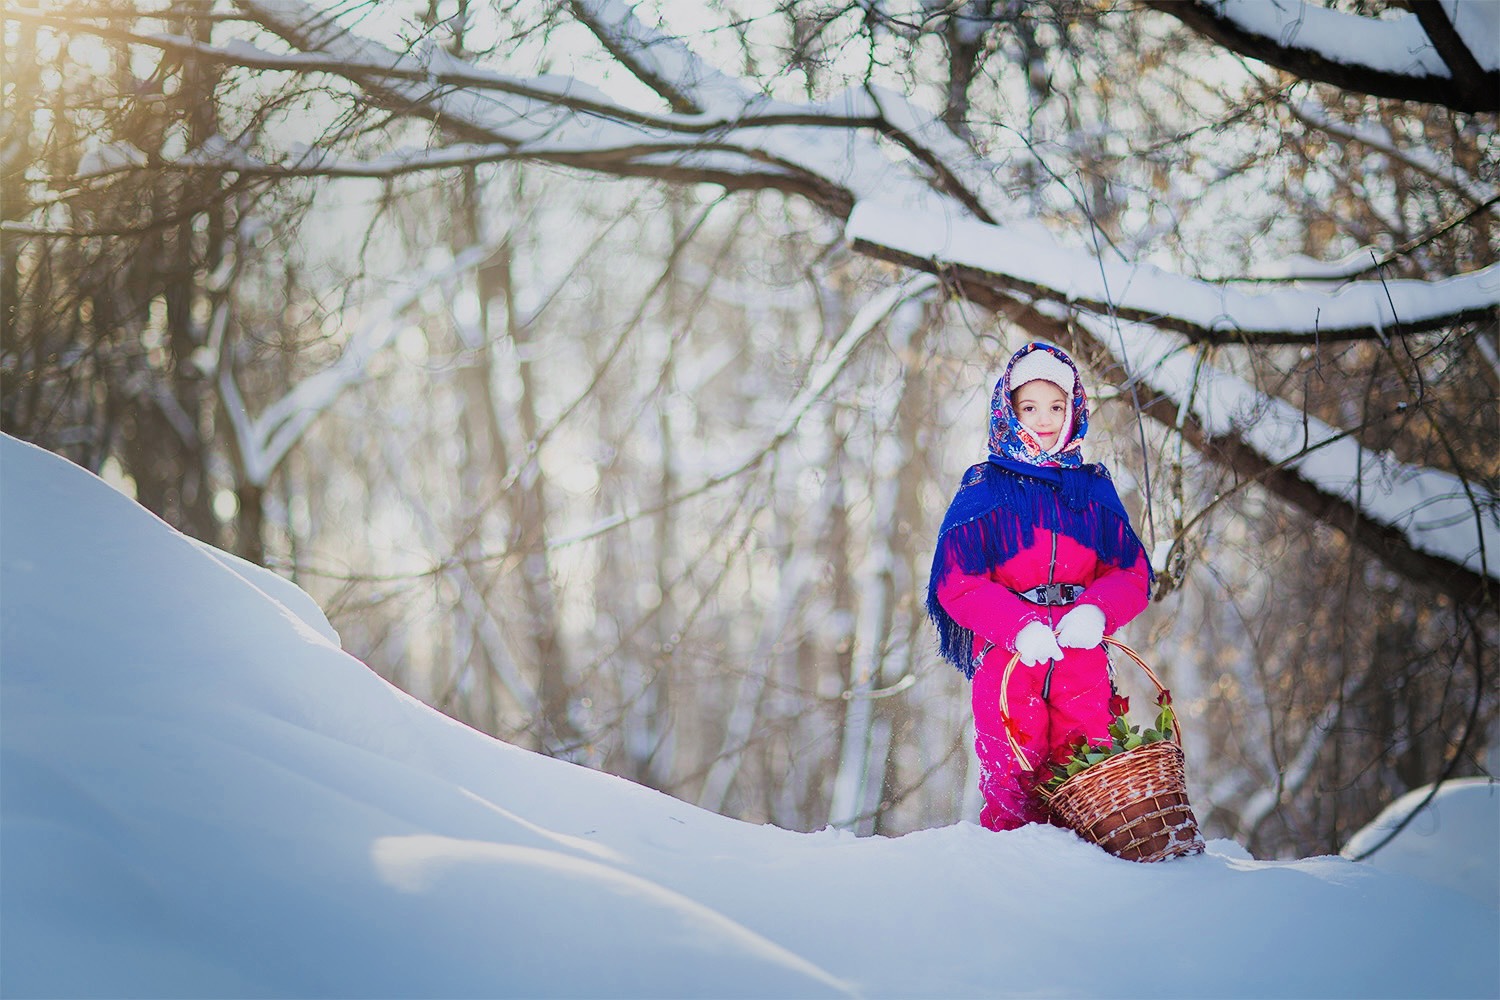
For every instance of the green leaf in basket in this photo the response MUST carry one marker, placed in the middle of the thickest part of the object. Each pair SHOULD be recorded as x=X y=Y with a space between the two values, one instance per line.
x=1090 y=759
x=1134 y=741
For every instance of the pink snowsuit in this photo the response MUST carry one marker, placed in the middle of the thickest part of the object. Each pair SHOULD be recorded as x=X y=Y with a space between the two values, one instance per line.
x=1077 y=699
x=1023 y=519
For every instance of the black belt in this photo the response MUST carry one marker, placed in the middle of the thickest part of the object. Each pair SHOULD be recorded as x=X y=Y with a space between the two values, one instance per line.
x=1049 y=594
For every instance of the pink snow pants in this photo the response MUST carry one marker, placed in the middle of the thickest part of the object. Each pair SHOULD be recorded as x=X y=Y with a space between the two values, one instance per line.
x=1077 y=701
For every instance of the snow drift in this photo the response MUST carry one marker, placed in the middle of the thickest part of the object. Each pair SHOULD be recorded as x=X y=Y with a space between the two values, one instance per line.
x=203 y=795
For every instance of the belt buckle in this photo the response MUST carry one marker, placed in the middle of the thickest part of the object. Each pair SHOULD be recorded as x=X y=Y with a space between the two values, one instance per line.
x=1052 y=594
x=1057 y=593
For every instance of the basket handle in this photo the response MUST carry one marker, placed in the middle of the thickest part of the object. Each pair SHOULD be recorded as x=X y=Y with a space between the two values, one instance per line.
x=1016 y=658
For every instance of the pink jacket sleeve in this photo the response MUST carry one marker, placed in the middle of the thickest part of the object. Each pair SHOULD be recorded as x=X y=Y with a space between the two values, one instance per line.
x=1120 y=593
x=988 y=609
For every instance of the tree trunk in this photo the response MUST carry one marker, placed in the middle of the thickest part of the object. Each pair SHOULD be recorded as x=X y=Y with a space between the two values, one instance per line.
x=868 y=721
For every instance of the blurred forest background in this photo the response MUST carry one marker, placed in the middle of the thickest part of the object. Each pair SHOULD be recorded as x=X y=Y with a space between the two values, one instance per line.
x=526 y=335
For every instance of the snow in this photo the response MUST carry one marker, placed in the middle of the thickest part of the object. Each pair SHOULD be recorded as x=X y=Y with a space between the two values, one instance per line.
x=1478 y=24
x=101 y=158
x=1028 y=260
x=1394 y=45
x=276 y=588
x=203 y=795
x=1451 y=841
x=665 y=58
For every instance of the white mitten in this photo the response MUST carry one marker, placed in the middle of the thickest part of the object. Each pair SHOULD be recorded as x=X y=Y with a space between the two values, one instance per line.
x=1081 y=628
x=1036 y=643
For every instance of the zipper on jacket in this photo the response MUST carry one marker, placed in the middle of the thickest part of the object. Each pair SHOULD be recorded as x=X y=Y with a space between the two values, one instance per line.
x=1051 y=574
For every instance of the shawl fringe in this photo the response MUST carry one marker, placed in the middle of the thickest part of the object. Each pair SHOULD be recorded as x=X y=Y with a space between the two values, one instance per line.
x=995 y=515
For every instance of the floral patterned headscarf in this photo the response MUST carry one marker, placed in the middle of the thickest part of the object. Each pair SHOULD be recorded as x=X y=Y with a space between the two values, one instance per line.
x=1009 y=438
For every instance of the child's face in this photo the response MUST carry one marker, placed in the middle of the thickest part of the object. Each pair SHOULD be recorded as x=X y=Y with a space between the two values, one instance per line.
x=1042 y=409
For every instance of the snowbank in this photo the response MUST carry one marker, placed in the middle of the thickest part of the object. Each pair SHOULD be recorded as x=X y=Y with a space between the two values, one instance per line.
x=1453 y=841
x=203 y=795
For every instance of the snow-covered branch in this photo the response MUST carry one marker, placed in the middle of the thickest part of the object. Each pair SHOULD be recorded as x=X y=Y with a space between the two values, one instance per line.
x=1429 y=523
x=265 y=440
x=1029 y=263
x=662 y=62
x=941 y=220
x=825 y=150
x=1386 y=57
x=439 y=71
x=1445 y=172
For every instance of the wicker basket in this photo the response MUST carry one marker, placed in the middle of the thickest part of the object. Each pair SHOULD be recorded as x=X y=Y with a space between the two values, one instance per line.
x=1134 y=804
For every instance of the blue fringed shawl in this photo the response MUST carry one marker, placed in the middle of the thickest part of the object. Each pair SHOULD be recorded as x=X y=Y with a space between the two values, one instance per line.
x=995 y=514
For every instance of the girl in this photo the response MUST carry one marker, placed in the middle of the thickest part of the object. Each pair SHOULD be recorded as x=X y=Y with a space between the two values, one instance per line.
x=1036 y=556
